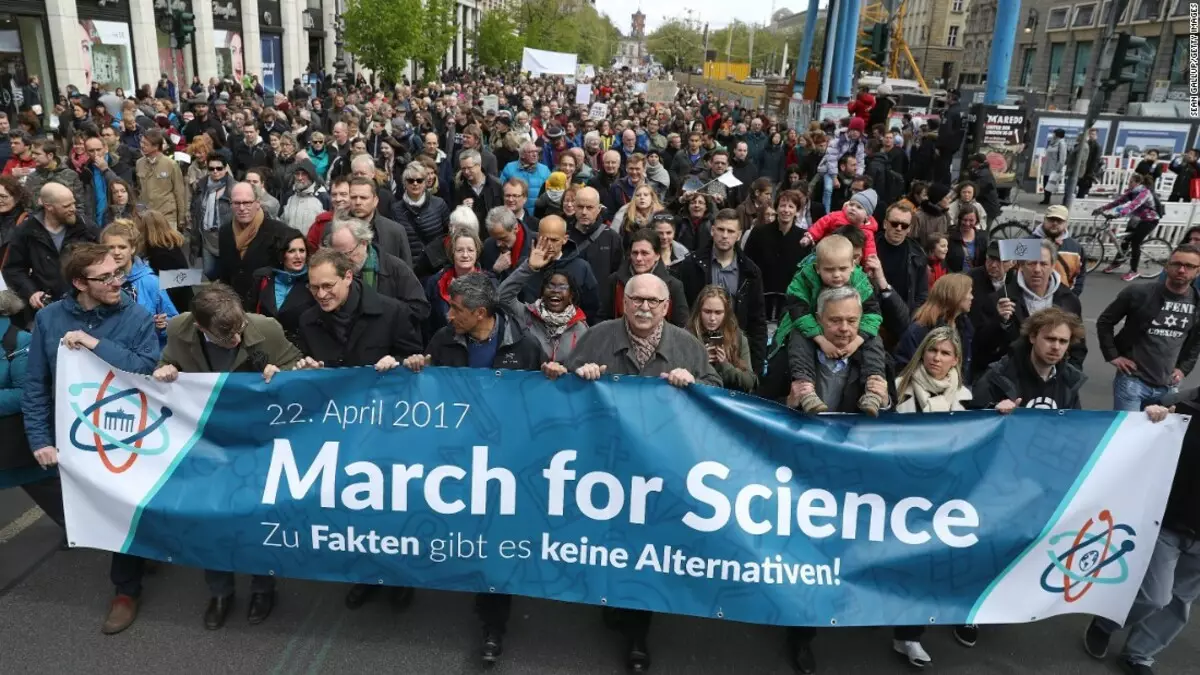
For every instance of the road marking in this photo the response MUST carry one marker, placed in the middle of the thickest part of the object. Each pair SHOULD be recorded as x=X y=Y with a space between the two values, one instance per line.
x=16 y=527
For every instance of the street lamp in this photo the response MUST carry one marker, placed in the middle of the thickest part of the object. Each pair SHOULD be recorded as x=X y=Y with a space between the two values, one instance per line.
x=339 y=58
x=1031 y=21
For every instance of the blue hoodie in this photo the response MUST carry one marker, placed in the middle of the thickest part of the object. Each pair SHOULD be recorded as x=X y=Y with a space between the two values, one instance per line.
x=141 y=284
x=127 y=341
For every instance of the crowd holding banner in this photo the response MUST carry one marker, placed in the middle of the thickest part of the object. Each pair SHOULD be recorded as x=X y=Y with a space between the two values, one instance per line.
x=831 y=269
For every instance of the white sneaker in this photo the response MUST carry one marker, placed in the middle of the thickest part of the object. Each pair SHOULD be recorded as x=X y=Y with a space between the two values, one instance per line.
x=913 y=651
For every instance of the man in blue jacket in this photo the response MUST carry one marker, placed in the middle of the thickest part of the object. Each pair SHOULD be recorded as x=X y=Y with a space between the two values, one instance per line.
x=101 y=318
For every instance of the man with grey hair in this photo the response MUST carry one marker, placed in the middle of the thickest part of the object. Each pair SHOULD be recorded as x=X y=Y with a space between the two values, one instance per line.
x=480 y=333
x=508 y=244
x=639 y=343
x=388 y=275
x=474 y=188
x=530 y=170
x=839 y=382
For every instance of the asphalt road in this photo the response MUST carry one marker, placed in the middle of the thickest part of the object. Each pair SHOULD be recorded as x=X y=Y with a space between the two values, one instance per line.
x=52 y=603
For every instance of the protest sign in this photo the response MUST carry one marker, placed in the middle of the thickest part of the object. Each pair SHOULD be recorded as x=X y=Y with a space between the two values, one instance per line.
x=598 y=111
x=661 y=91
x=583 y=93
x=626 y=492
x=1020 y=249
x=177 y=278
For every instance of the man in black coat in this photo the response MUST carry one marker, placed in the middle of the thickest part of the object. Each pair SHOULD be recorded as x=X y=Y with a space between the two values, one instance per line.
x=481 y=335
x=696 y=272
x=33 y=264
x=251 y=241
x=475 y=188
x=353 y=325
x=384 y=272
x=203 y=122
x=1037 y=371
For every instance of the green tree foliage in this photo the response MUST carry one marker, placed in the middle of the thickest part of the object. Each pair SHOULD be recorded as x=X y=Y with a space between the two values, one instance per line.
x=768 y=45
x=676 y=45
x=383 y=34
x=438 y=30
x=497 y=43
x=568 y=26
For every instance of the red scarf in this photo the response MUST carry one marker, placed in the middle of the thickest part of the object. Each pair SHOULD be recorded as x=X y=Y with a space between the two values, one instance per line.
x=936 y=271
x=518 y=244
x=443 y=283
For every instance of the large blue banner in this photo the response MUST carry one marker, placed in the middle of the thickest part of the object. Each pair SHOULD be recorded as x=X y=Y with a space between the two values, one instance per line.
x=628 y=493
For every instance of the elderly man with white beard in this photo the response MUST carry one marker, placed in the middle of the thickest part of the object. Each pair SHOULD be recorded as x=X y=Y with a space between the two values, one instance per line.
x=639 y=343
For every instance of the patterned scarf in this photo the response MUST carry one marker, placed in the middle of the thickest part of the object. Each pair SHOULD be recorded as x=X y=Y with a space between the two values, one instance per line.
x=642 y=349
x=556 y=322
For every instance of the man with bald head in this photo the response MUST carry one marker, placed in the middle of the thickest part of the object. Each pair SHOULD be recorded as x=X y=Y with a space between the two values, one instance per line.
x=598 y=244
x=606 y=182
x=530 y=170
x=33 y=266
x=639 y=343
x=251 y=241
x=562 y=257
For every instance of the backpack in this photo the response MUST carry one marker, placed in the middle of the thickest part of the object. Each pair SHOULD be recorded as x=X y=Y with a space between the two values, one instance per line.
x=1159 y=207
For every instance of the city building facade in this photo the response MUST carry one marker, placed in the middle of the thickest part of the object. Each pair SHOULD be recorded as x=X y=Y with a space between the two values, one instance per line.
x=125 y=44
x=1056 y=42
x=977 y=42
x=935 y=31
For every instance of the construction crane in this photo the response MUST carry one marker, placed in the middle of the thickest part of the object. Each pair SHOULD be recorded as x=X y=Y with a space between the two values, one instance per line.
x=897 y=47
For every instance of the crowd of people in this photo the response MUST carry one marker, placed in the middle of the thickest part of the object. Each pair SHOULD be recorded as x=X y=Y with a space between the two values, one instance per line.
x=842 y=269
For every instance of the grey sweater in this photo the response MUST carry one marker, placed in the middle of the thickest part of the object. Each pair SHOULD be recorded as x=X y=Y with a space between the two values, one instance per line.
x=607 y=344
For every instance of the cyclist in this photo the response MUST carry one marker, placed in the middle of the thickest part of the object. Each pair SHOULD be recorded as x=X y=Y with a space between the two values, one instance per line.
x=1142 y=206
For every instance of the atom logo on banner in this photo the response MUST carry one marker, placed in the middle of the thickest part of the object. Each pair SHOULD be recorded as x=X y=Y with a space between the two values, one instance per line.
x=1082 y=563
x=106 y=415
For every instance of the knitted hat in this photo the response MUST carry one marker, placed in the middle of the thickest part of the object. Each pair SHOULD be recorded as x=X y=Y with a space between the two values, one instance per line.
x=557 y=181
x=857 y=124
x=937 y=192
x=866 y=199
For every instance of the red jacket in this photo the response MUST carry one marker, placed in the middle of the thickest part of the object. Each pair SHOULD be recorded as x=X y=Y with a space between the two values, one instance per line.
x=827 y=224
x=18 y=163
x=861 y=107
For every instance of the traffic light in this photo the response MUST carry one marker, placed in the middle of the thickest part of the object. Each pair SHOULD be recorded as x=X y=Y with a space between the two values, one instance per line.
x=1129 y=62
x=186 y=28
x=872 y=44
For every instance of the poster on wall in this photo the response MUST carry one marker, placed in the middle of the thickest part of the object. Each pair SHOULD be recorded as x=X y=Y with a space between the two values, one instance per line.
x=1072 y=125
x=997 y=131
x=230 y=61
x=1135 y=138
x=171 y=62
x=272 y=64
x=107 y=55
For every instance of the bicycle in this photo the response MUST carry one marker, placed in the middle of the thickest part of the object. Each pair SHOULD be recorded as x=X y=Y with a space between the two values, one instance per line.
x=1097 y=245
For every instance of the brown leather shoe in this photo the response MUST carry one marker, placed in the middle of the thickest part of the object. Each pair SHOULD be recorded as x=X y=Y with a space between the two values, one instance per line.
x=121 y=614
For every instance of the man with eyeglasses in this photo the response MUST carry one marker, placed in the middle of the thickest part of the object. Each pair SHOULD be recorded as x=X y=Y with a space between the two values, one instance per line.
x=96 y=175
x=474 y=188
x=218 y=336
x=530 y=170
x=515 y=193
x=903 y=261
x=32 y=266
x=641 y=343
x=251 y=241
x=1158 y=345
x=96 y=316
x=384 y=272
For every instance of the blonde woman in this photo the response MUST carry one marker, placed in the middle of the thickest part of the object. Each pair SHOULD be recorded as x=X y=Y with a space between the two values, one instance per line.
x=638 y=213
x=933 y=379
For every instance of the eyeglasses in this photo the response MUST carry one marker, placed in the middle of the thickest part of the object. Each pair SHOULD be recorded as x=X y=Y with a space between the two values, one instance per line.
x=899 y=225
x=116 y=278
x=1183 y=266
x=414 y=181
x=322 y=288
x=243 y=205
x=652 y=303
x=559 y=287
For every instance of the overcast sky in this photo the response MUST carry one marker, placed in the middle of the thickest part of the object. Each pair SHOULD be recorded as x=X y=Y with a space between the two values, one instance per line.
x=717 y=13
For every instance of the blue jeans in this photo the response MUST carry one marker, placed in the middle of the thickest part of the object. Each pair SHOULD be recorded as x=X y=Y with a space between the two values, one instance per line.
x=211 y=268
x=1132 y=395
x=1160 y=611
x=827 y=193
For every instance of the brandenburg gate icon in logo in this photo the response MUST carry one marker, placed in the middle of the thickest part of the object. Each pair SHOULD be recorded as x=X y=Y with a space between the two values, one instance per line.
x=113 y=426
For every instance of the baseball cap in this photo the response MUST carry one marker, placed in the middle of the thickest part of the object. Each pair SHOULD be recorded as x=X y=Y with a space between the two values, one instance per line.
x=1057 y=211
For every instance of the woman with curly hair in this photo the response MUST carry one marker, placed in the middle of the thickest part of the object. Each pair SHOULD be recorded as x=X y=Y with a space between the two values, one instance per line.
x=199 y=150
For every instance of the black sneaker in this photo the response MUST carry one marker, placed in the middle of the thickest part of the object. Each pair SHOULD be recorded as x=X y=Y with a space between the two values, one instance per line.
x=967 y=636
x=1095 y=641
x=1132 y=668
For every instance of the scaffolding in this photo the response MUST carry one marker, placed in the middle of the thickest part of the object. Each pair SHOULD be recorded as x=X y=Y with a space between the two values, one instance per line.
x=897 y=47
